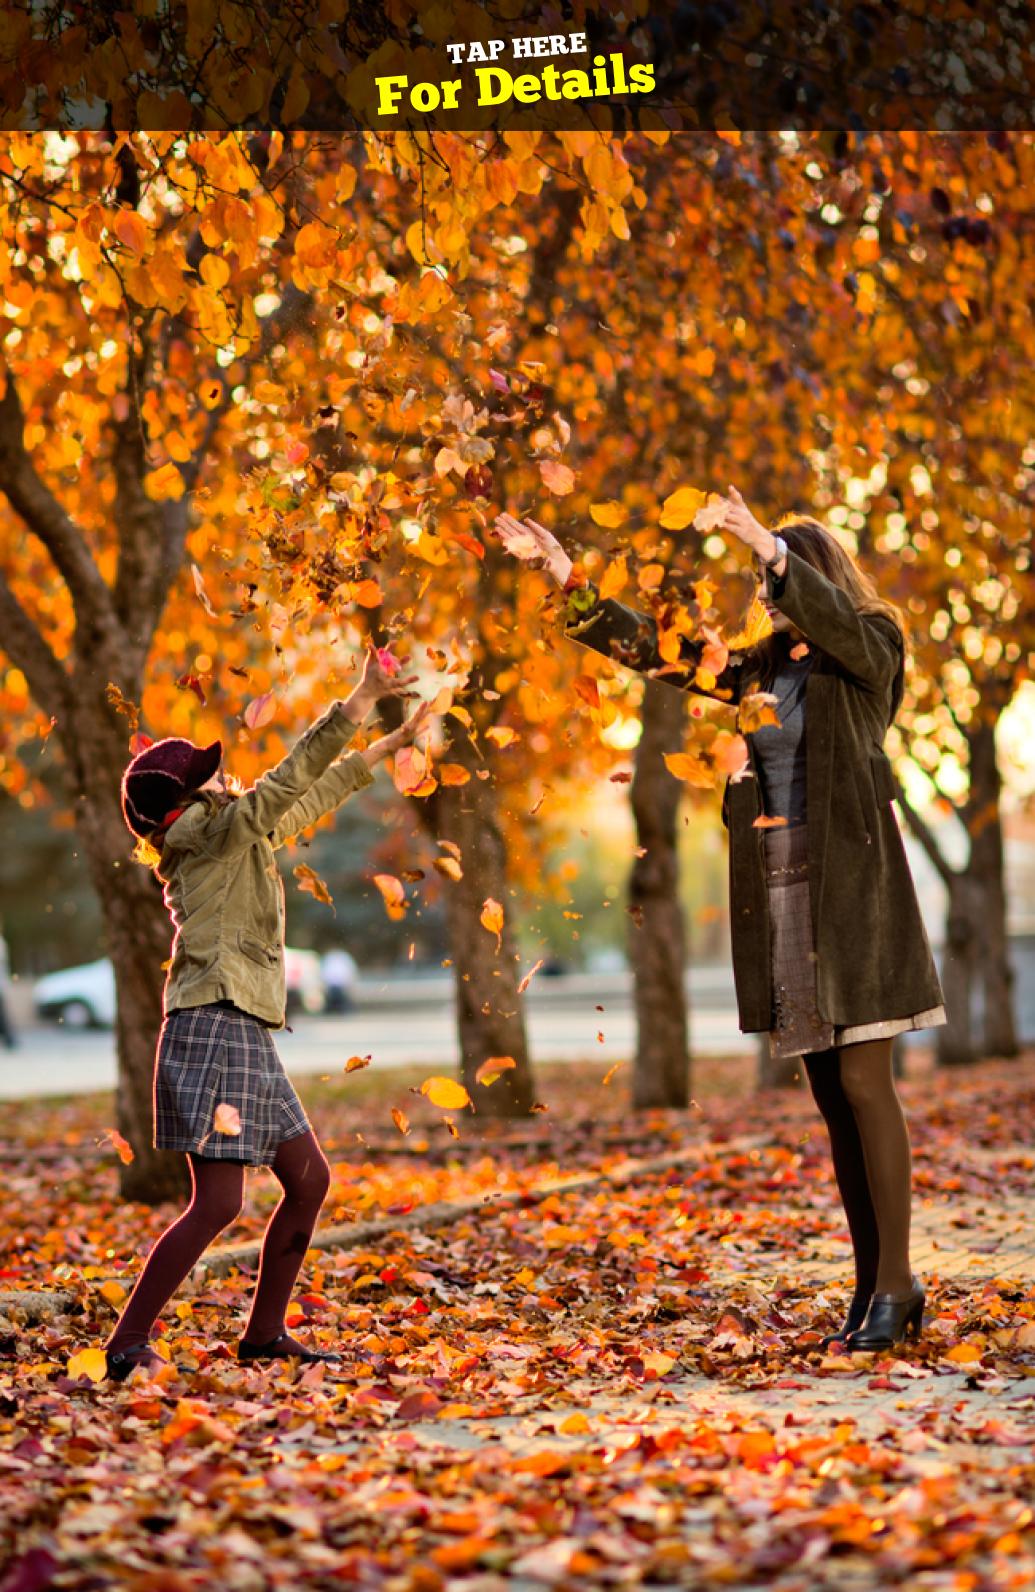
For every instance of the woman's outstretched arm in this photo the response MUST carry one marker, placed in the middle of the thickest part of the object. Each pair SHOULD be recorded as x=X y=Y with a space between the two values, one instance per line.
x=611 y=627
x=631 y=638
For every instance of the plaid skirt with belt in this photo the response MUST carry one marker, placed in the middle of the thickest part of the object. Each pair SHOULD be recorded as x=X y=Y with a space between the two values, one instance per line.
x=798 y=1027
x=210 y=1056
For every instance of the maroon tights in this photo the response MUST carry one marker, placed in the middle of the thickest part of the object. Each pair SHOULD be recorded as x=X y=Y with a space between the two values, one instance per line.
x=218 y=1194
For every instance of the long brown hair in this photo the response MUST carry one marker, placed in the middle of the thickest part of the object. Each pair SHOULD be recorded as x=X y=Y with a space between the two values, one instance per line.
x=813 y=543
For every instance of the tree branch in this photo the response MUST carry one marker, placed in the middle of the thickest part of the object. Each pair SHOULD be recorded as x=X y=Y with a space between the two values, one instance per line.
x=46 y=519
x=28 y=651
x=926 y=838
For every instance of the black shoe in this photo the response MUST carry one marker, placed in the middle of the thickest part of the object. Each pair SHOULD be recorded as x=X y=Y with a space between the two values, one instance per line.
x=853 y=1320
x=282 y=1347
x=122 y=1361
x=889 y=1319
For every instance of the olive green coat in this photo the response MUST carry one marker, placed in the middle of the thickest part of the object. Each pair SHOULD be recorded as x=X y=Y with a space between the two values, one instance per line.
x=222 y=884
x=873 y=957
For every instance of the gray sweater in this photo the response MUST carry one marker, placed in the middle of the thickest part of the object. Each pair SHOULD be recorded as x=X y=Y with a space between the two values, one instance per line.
x=780 y=749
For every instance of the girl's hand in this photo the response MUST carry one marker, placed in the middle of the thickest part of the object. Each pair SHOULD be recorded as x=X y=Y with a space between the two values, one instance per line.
x=740 y=520
x=380 y=678
x=534 y=545
x=407 y=732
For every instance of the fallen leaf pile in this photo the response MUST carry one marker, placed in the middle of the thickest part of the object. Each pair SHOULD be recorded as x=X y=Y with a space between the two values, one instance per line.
x=615 y=1383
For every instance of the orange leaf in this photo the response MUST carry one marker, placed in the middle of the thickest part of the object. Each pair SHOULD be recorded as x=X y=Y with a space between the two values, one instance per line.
x=491 y=1068
x=557 y=478
x=393 y=895
x=615 y=578
x=312 y=884
x=401 y=1120
x=452 y=774
x=367 y=593
x=492 y=919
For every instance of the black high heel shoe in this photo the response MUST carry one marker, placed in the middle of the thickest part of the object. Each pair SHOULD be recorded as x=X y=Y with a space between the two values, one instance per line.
x=282 y=1347
x=890 y=1319
x=853 y=1321
x=122 y=1361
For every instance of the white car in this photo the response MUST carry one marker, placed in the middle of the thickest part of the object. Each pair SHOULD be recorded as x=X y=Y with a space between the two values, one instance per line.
x=84 y=997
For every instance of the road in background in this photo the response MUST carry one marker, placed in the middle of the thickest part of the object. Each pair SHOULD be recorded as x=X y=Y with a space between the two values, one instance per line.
x=404 y=1022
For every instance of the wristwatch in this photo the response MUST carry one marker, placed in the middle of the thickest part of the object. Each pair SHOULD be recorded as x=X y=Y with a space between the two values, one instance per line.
x=781 y=552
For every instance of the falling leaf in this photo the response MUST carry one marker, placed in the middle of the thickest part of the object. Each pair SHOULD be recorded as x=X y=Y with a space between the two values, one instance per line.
x=800 y=651
x=528 y=977
x=199 y=587
x=452 y=774
x=121 y=1146
x=680 y=507
x=694 y=770
x=765 y=822
x=449 y=868
x=610 y=514
x=354 y=1063
x=260 y=711
x=122 y=704
x=393 y=895
x=611 y=1072
x=492 y=919
x=227 y=1119
x=586 y=687
x=401 y=1120
x=493 y=1066
x=310 y=882
x=712 y=515
x=614 y=579
x=445 y=1093
x=557 y=478
x=501 y=734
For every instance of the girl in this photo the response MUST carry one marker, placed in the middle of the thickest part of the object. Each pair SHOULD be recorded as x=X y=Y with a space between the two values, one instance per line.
x=830 y=954
x=216 y=1063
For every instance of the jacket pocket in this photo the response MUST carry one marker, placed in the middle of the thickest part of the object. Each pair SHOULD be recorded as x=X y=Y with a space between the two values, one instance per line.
x=257 y=950
x=883 y=778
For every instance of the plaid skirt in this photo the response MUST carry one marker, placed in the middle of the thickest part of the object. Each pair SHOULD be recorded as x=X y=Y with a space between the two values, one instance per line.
x=798 y=1027
x=210 y=1056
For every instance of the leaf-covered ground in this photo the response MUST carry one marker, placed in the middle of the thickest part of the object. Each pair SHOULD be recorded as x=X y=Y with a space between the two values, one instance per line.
x=615 y=1384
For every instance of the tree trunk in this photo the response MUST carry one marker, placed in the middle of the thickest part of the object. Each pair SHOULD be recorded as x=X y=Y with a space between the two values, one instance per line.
x=961 y=963
x=138 y=939
x=999 y=1027
x=490 y=1019
x=657 y=934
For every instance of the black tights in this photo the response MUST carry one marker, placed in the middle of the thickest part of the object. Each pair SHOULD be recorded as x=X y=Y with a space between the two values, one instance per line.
x=218 y=1194
x=854 y=1088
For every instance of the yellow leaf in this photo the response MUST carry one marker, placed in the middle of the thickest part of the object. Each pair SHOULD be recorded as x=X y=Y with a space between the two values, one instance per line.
x=962 y=1354
x=680 y=507
x=445 y=1093
x=448 y=867
x=689 y=768
x=501 y=734
x=113 y=1292
x=89 y=1362
x=492 y=917
x=610 y=514
x=164 y=483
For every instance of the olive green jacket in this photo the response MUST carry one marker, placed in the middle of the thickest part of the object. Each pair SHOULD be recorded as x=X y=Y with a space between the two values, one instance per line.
x=873 y=957
x=222 y=884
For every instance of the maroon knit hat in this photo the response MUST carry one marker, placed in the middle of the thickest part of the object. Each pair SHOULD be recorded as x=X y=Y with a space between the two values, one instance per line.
x=160 y=775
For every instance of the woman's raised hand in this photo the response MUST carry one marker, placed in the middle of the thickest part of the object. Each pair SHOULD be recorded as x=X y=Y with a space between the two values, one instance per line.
x=534 y=545
x=740 y=520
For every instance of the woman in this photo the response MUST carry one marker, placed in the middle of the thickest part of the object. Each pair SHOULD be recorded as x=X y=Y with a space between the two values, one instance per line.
x=830 y=954
x=221 y=1094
